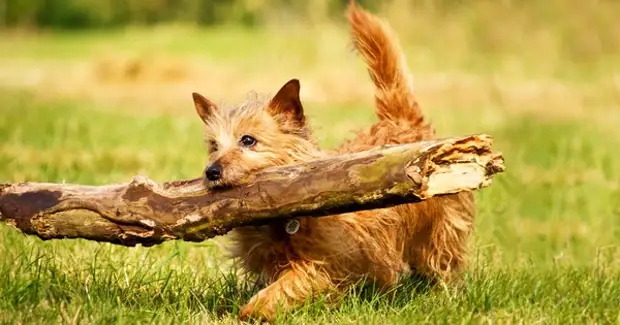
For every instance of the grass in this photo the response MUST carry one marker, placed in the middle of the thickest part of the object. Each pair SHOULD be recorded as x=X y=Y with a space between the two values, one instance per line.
x=547 y=230
x=544 y=249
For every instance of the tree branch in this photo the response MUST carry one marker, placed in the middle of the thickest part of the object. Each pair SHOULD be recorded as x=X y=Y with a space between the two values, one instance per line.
x=147 y=213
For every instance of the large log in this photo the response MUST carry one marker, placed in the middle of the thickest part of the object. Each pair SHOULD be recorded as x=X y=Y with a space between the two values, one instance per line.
x=147 y=213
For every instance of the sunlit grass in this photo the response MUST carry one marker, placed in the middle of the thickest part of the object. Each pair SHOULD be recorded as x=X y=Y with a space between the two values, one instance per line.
x=544 y=247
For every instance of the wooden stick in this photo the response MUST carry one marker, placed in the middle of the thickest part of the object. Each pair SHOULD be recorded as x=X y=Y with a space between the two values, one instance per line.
x=147 y=213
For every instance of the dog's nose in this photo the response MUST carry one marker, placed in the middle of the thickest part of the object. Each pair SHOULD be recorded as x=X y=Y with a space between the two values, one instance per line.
x=214 y=172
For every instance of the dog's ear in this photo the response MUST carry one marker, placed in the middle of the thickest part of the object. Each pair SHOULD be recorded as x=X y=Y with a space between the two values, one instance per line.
x=286 y=103
x=204 y=107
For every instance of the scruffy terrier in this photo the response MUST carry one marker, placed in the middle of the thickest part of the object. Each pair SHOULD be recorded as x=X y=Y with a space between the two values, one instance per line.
x=327 y=255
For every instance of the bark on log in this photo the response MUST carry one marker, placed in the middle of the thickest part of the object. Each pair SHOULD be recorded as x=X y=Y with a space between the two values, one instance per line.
x=147 y=213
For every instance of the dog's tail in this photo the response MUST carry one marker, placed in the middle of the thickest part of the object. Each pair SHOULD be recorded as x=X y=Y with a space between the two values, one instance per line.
x=387 y=67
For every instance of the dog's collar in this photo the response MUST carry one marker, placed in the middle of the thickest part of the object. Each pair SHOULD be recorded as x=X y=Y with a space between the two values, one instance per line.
x=292 y=226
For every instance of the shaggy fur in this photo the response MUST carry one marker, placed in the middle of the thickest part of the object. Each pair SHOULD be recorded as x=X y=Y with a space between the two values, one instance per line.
x=327 y=255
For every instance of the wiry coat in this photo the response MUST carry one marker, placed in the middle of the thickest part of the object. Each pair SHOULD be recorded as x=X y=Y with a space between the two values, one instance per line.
x=327 y=254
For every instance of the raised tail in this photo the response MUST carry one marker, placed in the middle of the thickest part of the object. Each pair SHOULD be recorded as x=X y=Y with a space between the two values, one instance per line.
x=387 y=67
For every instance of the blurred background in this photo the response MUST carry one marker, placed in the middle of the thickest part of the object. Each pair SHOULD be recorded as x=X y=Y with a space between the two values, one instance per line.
x=513 y=54
x=96 y=91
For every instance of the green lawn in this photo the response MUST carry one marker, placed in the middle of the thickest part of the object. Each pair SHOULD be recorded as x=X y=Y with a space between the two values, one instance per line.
x=545 y=248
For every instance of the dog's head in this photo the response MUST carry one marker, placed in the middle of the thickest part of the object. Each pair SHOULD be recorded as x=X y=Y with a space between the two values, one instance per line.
x=254 y=135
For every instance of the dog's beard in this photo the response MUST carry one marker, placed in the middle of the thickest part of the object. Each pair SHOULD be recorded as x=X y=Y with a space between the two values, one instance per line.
x=229 y=181
x=239 y=174
x=215 y=186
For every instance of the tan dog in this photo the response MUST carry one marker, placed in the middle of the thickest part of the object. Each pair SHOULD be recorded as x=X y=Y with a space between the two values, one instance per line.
x=329 y=254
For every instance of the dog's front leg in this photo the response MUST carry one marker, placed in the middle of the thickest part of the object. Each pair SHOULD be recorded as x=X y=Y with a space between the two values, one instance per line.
x=292 y=288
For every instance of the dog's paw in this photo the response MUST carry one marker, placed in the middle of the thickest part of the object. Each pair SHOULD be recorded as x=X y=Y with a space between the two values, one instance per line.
x=249 y=314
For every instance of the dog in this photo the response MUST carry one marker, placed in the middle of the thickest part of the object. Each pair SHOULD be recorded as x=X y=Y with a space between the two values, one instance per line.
x=325 y=256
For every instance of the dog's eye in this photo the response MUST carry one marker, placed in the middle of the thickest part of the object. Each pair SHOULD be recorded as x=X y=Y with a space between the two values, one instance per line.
x=213 y=145
x=247 y=141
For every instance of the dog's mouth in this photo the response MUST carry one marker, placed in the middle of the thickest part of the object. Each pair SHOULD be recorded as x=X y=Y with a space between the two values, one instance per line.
x=216 y=186
x=220 y=187
x=227 y=182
